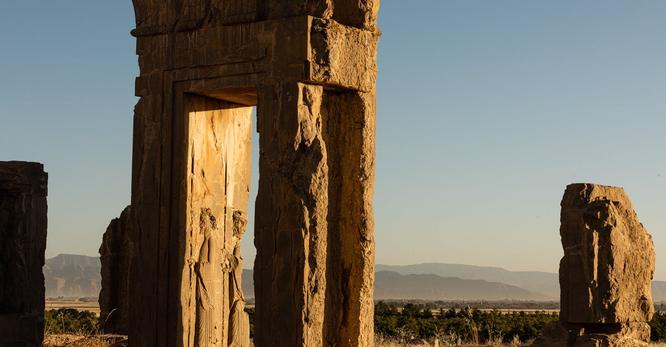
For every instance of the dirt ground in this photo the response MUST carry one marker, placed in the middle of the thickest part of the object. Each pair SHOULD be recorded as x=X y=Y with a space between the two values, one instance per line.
x=83 y=341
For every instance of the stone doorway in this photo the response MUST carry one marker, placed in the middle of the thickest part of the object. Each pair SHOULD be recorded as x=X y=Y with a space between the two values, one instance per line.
x=311 y=70
x=215 y=193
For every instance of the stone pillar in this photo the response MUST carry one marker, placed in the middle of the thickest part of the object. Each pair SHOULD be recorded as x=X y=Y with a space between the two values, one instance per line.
x=310 y=68
x=23 y=209
x=314 y=218
x=606 y=272
x=116 y=258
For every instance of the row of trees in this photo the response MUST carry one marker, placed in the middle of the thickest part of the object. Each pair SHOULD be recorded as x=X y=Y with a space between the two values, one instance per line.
x=405 y=323
x=412 y=323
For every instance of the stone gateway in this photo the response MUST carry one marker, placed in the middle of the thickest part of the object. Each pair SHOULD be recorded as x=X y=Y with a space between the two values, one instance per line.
x=310 y=69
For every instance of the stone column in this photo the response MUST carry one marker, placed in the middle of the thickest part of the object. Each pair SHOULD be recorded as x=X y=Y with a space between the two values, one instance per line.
x=606 y=272
x=314 y=220
x=291 y=229
x=23 y=208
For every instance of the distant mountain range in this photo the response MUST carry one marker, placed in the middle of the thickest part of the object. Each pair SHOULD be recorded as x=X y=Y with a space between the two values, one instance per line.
x=69 y=275
x=544 y=284
x=392 y=285
x=79 y=276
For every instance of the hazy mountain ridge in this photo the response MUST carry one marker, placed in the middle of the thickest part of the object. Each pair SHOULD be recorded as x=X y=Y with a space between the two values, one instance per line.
x=544 y=283
x=537 y=282
x=71 y=275
x=79 y=276
x=392 y=285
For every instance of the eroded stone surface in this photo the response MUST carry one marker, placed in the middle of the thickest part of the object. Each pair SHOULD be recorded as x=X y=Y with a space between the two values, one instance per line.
x=23 y=223
x=609 y=258
x=316 y=218
x=606 y=271
x=310 y=67
x=116 y=258
x=217 y=190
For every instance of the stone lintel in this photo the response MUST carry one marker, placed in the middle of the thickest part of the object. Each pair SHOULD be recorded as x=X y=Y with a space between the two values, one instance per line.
x=158 y=16
x=300 y=49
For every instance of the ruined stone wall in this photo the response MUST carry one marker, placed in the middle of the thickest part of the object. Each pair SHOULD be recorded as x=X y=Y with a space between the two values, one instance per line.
x=23 y=223
x=116 y=255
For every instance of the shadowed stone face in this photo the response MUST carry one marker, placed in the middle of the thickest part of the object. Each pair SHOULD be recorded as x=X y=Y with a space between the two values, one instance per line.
x=23 y=189
x=116 y=257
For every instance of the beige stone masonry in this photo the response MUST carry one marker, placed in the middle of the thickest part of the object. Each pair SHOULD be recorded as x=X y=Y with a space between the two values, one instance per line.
x=310 y=69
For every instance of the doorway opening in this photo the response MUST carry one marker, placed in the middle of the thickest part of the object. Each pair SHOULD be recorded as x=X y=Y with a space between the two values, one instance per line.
x=218 y=190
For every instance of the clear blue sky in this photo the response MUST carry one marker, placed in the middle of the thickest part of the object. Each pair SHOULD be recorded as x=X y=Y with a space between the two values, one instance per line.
x=486 y=111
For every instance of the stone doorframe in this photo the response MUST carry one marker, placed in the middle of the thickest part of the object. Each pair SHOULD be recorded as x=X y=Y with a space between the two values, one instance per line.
x=310 y=68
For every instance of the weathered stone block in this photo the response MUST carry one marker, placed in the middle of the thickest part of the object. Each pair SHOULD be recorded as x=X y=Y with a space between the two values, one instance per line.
x=609 y=258
x=116 y=255
x=606 y=271
x=360 y=14
x=23 y=223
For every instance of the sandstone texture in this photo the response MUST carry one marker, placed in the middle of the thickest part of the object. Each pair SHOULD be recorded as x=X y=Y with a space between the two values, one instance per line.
x=310 y=69
x=116 y=258
x=23 y=223
x=217 y=186
x=606 y=271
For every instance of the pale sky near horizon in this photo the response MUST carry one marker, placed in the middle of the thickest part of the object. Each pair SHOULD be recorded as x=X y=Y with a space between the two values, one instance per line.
x=486 y=111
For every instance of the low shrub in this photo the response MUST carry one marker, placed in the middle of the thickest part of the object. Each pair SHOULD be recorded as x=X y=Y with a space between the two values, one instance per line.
x=70 y=321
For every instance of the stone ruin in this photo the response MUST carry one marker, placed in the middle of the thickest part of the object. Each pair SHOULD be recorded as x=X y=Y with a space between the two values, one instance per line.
x=606 y=272
x=310 y=69
x=172 y=264
x=116 y=258
x=23 y=190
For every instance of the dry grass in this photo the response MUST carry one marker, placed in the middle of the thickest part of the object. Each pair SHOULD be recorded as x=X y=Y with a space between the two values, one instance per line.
x=386 y=343
x=72 y=340
x=447 y=340
x=119 y=341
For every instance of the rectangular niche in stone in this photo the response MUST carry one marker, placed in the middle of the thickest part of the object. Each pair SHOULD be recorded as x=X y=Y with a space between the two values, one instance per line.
x=23 y=189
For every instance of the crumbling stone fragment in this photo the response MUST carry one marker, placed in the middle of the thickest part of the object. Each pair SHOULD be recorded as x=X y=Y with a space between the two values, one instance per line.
x=23 y=208
x=116 y=257
x=606 y=271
